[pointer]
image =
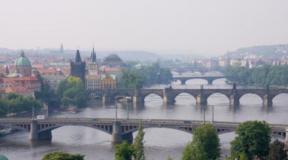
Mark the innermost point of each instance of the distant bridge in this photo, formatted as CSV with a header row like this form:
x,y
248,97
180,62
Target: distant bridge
x,y
201,94
120,129
208,78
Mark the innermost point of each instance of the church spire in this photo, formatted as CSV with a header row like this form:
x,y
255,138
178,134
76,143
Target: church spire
x,y
77,57
93,56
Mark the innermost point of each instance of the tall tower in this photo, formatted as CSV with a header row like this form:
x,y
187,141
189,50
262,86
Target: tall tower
x,y
93,80
92,67
93,56
77,68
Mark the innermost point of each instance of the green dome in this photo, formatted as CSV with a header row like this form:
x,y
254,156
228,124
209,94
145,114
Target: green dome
x,y
23,61
3,157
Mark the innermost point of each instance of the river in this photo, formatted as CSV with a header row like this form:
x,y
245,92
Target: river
x,y
159,142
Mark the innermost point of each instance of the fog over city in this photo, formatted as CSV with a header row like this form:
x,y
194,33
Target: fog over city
x,y
212,27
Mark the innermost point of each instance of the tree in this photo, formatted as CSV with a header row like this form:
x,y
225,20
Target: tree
x,y
131,78
47,95
252,140
14,103
72,92
138,145
193,152
259,76
124,151
277,151
205,144
62,156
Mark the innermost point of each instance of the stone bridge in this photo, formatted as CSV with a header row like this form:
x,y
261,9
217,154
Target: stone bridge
x,y
120,129
201,94
208,78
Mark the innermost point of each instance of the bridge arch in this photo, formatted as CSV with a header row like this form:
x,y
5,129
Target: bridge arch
x,y
220,97
259,98
201,81
103,128
145,96
219,81
193,97
280,99
181,129
132,130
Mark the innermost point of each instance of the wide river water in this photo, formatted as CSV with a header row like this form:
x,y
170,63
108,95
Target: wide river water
x,y
159,142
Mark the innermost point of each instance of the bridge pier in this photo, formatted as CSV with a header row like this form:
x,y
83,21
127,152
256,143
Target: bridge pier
x,y
117,135
234,100
201,100
107,100
267,101
210,81
35,135
138,100
33,130
183,82
168,98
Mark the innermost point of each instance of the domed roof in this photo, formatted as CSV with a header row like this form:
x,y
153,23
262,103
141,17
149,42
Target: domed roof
x,y
3,157
23,61
113,59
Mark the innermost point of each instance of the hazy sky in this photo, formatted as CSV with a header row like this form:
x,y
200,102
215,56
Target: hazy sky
x,y
206,26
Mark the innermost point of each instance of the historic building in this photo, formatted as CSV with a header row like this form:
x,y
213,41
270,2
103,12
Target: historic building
x,y
22,81
52,76
108,81
113,60
104,76
93,80
23,66
78,67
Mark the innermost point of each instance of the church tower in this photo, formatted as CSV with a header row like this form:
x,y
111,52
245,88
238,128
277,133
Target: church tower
x,y
92,64
77,68
93,80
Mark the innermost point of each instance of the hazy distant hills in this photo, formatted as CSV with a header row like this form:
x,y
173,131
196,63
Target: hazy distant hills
x,y
269,51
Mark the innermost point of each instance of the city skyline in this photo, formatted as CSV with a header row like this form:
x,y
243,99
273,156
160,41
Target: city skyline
x,y
160,27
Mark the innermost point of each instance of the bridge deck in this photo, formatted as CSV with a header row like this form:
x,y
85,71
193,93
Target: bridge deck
x,y
81,121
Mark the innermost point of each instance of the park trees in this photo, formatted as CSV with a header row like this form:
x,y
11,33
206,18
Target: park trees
x,y
136,77
205,144
259,76
72,92
124,151
252,140
62,156
14,103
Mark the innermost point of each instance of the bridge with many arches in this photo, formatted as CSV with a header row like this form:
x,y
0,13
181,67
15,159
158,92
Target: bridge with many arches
x,y
201,94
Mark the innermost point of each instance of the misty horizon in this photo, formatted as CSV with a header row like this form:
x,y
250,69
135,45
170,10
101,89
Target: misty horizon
x,y
162,27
